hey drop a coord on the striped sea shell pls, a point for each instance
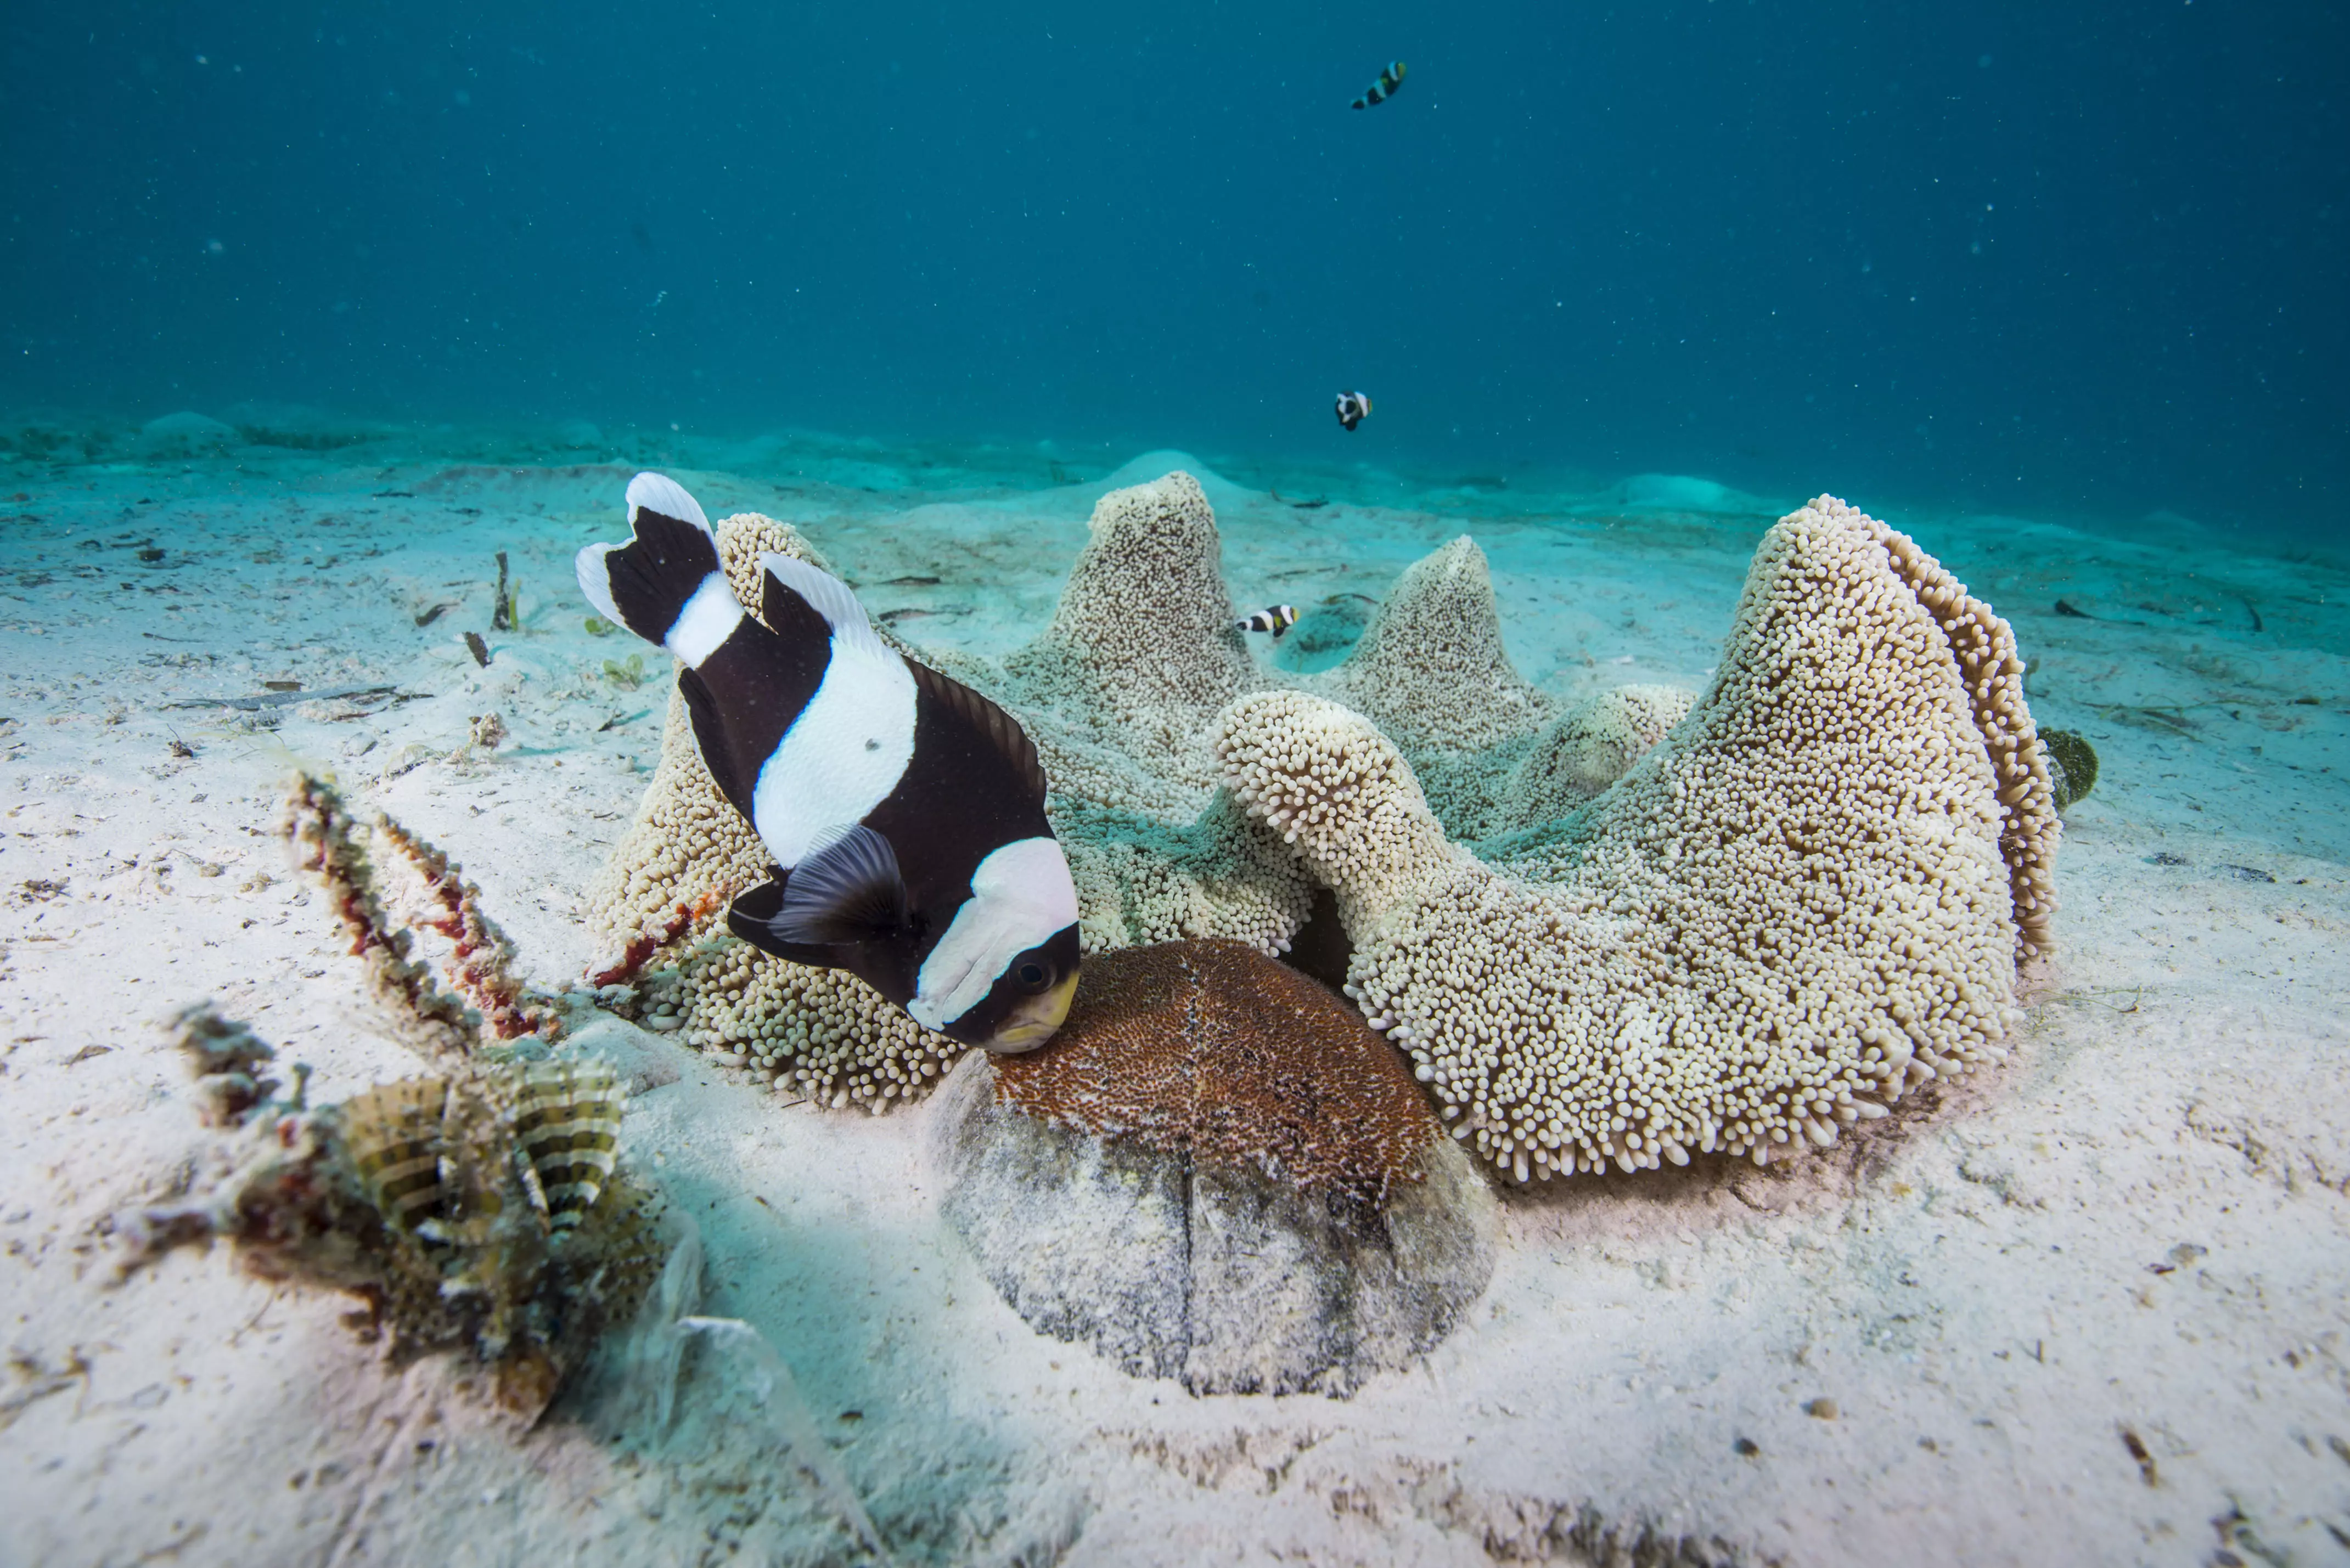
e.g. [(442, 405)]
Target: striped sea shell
[(394, 1137), (567, 1122), (429, 1154)]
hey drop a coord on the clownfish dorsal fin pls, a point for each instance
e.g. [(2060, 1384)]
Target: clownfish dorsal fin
[(849, 890), (825, 594), (1001, 730), (752, 917)]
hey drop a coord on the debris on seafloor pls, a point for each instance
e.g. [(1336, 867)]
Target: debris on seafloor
[(505, 610), (427, 616), (2072, 765), (2169, 720), (478, 648), (747, 1402), (483, 956), (230, 1063), (325, 842), (283, 694), (481, 1209), (487, 731)]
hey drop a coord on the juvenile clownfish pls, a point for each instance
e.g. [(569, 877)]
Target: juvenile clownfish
[(1274, 618), (905, 812), (1352, 407), (1384, 88)]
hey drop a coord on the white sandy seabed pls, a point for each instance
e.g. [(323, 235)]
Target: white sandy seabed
[(1948, 1340)]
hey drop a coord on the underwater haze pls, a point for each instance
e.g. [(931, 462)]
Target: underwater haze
[(1880, 959), (2083, 261)]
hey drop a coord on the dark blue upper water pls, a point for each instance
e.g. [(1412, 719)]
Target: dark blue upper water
[(2082, 260)]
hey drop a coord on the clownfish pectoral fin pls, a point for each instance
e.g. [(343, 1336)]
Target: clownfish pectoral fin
[(752, 917), (847, 891)]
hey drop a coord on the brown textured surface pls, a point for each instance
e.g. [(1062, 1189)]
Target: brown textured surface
[(1213, 1048)]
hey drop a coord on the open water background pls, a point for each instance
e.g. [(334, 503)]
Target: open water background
[(2084, 262)]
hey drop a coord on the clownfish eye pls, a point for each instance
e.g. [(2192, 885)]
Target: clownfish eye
[(1031, 975)]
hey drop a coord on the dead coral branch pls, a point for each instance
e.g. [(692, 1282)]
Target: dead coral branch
[(485, 957), (231, 1063), (322, 839)]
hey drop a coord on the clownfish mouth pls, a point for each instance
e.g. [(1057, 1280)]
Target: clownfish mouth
[(1035, 1020)]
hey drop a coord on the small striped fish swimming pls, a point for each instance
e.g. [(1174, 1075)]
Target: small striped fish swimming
[(1384, 88), (1274, 618), (905, 812), (1353, 409)]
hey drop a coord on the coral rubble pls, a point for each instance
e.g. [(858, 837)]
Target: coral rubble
[(325, 840), (230, 1061), (482, 1208), (480, 1211)]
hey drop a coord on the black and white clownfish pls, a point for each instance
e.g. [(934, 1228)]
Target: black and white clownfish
[(1384, 88), (905, 812), (1353, 407), (1274, 618)]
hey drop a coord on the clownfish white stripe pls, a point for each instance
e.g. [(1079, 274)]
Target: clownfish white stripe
[(709, 618), (1020, 895), (845, 751)]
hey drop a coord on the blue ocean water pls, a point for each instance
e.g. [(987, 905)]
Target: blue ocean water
[(2084, 262)]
